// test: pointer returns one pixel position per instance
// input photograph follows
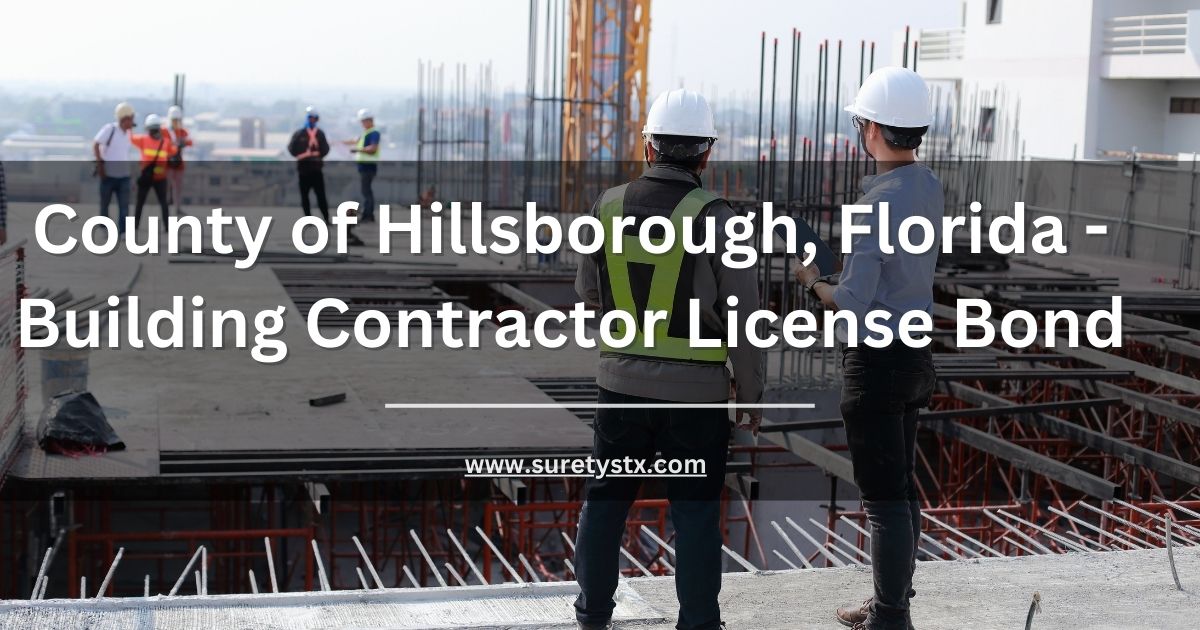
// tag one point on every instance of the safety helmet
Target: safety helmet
(123, 110)
(680, 113)
(175, 113)
(893, 96)
(364, 114)
(153, 122)
(311, 112)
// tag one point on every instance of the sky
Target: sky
(308, 49)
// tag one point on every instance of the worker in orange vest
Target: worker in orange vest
(155, 149)
(180, 138)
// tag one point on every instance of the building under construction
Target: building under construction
(1059, 480)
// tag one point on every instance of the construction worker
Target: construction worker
(309, 147)
(883, 389)
(366, 153)
(156, 149)
(179, 137)
(111, 148)
(679, 135)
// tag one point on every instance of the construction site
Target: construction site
(1059, 486)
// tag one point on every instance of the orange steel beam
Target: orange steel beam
(604, 93)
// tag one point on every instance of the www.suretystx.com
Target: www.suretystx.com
(583, 467)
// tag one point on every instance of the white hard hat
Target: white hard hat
(175, 113)
(153, 121)
(893, 96)
(311, 111)
(364, 114)
(123, 110)
(680, 113)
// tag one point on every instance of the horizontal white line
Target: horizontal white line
(1096, 230)
(597, 406)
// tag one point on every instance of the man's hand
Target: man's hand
(805, 275)
(747, 419)
(100, 168)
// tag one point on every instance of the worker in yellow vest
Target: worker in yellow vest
(366, 153)
(666, 396)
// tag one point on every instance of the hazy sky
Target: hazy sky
(299, 47)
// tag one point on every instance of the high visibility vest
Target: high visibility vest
(661, 272)
(155, 151)
(359, 155)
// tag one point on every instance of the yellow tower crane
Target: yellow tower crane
(608, 44)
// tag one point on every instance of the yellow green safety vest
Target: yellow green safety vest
(359, 156)
(664, 281)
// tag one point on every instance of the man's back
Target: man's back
(702, 277)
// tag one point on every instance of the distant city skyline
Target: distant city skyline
(369, 50)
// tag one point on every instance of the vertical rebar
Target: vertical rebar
(762, 74)
(837, 118)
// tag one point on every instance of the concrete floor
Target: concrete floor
(1102, 591)
(185, 400)
(1129, 590)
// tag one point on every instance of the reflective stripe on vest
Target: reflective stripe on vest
(359, 155)
(663, 281)
(314, 145)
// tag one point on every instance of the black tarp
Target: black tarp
(74, 423)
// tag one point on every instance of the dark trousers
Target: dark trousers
(882, 393)
(365, 178)
(695, 506)
(120, 187)
(159, 186)
(315, 182)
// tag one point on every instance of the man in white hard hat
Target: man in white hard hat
(111, 148)
(366, 153)
(181, 139)
(883, 389)
(694, 383)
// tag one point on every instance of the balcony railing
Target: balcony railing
(942, 44)
(1146, 34)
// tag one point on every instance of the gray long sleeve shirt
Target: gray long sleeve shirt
(901, 281)
(712, 283)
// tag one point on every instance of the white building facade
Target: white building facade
(1091, 77)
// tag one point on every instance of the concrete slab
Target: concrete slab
(194, 401)
(509, 606)
(1128, 590)
(1095, 591)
